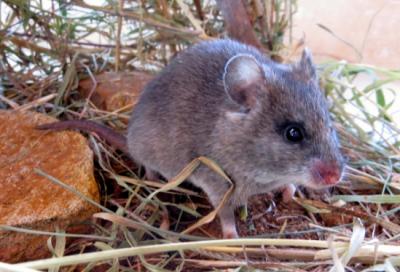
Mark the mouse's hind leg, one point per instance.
(215, 188)
(228, 223)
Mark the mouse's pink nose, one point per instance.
(328, 173)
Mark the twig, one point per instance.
(237, 22)
(139, 17)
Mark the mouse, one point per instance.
(266, 124)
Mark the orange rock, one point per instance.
(115, 90)
(29, 200)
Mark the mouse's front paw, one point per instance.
(288, 193)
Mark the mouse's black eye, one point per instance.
(294, 133)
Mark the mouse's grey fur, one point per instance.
(202, 105)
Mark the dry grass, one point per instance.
(45, 50)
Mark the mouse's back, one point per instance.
(178, 110)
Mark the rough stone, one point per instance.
(29, 200)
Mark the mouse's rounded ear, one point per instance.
(242, 74)
(306, 66)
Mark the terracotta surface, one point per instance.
(369, 26)
(29, 200)
(113, 91)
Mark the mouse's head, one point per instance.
(279, 121)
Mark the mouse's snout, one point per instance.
(326, 173)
